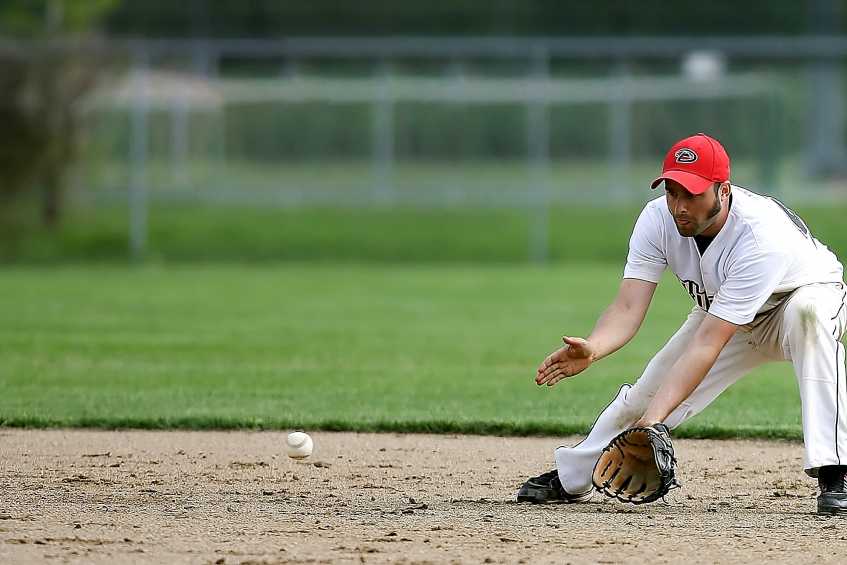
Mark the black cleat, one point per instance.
(547, 488)
(832, 480)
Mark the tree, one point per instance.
(40, 84)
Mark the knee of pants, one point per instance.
(804, 324)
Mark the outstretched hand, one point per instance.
(573, 358)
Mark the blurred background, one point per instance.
(376, 215)
(514, 130)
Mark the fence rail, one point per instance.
(761, 47)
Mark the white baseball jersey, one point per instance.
(763, 260)
(763, 251)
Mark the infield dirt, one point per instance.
(234, 497)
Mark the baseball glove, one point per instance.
(637, 466)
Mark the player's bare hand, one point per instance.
(573, 358)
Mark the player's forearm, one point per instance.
(615, 327)
(684, 376)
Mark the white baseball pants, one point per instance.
(805, 329)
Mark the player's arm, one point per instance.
(621, 320)
(753, 274)
(690, 368)
(615, 327)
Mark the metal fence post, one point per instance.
(180, 117)
(538, 144)
(383, 140)
(138, 156)
(826, 119)
(620, 132)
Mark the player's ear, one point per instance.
(725, 189)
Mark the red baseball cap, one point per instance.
(696, 162)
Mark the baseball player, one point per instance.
(764, 290)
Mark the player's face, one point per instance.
(692, 213)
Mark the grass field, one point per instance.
(360, 347)
(202, 233)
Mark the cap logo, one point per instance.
(685, 155)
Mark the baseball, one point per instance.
(298, 445)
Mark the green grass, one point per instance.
(258, 216)
(197, 233)
(201, 233)
(449, 348)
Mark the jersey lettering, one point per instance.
(699, 296)
(767, 250)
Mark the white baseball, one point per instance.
(298, 445)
